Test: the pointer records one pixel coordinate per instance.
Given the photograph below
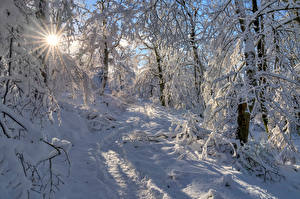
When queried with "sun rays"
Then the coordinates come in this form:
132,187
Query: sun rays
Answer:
46,40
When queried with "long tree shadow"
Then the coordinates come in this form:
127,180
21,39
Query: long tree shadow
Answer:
127,167
160,164
151,162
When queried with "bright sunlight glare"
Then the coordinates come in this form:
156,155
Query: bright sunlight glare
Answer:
46,39
52,40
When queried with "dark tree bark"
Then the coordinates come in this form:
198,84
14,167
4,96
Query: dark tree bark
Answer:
160,76
243,121
245,109
41,16
262,63
105,50
105,68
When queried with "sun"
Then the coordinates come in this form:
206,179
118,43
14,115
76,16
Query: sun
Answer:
45,40
52,40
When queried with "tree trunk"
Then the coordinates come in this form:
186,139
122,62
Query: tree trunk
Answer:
198,67
243,121
262,63
41,16
161,79
105,68
198,72
245,109
198,77
105,50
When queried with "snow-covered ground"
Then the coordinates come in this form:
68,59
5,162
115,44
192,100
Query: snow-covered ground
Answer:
123,150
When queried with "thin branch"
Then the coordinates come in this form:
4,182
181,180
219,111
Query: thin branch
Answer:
4,130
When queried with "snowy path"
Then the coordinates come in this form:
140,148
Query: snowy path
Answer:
117,161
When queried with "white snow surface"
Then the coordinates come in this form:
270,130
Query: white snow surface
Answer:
119,150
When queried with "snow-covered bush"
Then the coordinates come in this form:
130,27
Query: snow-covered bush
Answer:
260,159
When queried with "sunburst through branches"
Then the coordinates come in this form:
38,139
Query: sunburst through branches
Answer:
46,40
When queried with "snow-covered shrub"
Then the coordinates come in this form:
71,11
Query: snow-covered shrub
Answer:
190,130
257,158
32,165
281,141
260,159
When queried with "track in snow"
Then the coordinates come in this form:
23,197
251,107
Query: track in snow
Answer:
113,160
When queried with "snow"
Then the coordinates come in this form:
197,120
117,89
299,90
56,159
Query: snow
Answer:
122,150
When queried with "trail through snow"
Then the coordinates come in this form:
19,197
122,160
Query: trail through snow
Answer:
113,157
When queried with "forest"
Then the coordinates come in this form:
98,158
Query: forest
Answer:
149,99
